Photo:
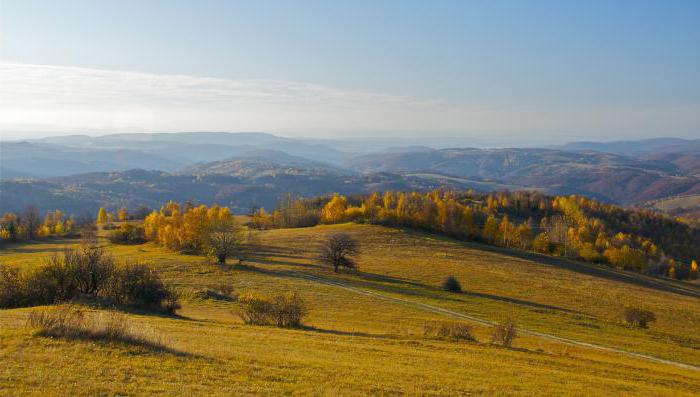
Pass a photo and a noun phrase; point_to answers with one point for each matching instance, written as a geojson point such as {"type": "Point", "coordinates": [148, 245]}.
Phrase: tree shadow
{"type": "Point", "coordinates": [437, 293]}
{"type": "Point", "coordinates": [346, 333]}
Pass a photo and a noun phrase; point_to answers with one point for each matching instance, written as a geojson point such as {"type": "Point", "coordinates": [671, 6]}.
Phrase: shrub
{"type": "Point", "coordinates": [451, 284]}
{"type": "Point", "coordinates": [72, 322]}
{"type": "Point", "coordinates": [256, 310]}
{"type": "Point", "coordinates": [139, 286]}
{"type": "Point", "coordinates": [638, 317]}
{"type": "Point", "coordinates": [449, 330]}
{"type": "Point", "coordinates": [505, 333]}
{"type": "Point", "coordinates": [284, 310]}
{"type": "Point", "coordinates": [65, 321]}
{"type": "Point", "coordinates": [12, 293]}
{"type": "Point", "coordinates": [128, 233]}
{"type": "Point", "coordinates": [91, 268]}
{"type": "Point", "coordinates": [289, 310]}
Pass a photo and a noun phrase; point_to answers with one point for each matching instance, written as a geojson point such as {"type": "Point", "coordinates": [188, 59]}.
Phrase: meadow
{"type": "Point", "coordinates": [364, 331]}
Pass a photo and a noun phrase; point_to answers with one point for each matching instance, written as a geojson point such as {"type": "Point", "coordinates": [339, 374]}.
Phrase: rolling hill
{"type": "Point", "coordinates": [238, 184]}
{"type": "Point", "coordinates": [259, 167]}
{"type": "Point", "coordinates": [365, 331]}
{"type": "Point", "coordinates": [610, 177]}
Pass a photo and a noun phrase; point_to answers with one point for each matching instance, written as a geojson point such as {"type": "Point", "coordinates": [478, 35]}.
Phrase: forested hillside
{"type": "Point", "coordinates": [569, 226]}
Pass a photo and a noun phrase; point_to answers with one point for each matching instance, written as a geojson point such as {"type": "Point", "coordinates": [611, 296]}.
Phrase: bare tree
{"type": "Point", "coordinates": [338, 251]}
{"type": "Point", "coordinates": [31, 220]}
{"type": "Point", "coordinates": [225, 239]}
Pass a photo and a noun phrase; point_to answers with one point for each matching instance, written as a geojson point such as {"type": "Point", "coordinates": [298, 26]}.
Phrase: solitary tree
{"type": "Point", "coordinates": [225, 238]}
{"type": "Point", "coordinates": [339, 250]}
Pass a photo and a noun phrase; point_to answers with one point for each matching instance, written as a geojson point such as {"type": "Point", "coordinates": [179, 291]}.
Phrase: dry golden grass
{"type": "Point", "coordinates": [360, 343]}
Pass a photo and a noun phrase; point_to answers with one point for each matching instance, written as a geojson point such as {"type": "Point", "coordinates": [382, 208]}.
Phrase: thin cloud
{"type": "Point", "coordinates": [62, 98]}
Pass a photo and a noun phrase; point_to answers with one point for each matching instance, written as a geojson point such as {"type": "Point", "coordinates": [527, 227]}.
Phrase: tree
{"type": "Point", "coordinates": [338, 251]}
{"type": "Point", "coordinates": [102, 216]}
{"type": "Point", "coordinates": [490, 229]}
{"type": "Point", "coordinates": [334, 211]}
{"type": "Point", "coordinates": [541, 243]}
{"type": "Point", "coordinates": [225, 238]}
{"type": "Point", "coordinates": [123, 214]}
{"type": "Point", "coordinates": [30, 221]}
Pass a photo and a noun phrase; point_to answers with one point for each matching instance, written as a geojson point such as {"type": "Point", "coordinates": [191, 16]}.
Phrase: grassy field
{"type": "Point", "coordinates": [364, 331]}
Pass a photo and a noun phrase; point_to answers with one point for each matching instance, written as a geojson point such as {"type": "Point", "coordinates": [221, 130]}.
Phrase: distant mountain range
{"type": "Point", "coordinates": [239, 170]}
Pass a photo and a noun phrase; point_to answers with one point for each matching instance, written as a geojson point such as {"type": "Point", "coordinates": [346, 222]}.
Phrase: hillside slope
{"type": "Point", "coordinates": [371, 342]}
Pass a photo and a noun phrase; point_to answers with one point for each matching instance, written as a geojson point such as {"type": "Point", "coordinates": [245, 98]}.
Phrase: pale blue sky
{"type": "Point", "coordinates": [563, 70]}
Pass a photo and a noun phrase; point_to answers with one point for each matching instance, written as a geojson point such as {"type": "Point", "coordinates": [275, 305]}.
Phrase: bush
{"type": "Point", "coordinates": [72, 322]}
{"type": "Point", "coordinates": [449, 330]}
{"type": "Point", "coordinates": [12, 292]}
{"type": "Point", "coordinates": [86, 272]}
{"type": "Point", "coordinates": [637, 317]}
{"type": "Point", "coordinates": [90, 268]}
{"type": "Point", "coordinates": [504, 334]}
{"type": "Point", "coordinates": [256, 310]}
{"type": "Point", "coordinates": [289, 310]}
{"type": "Point", "coordinates": [139, 286]}
{"type": "Point", "coordinates": [451, 284]}
{"type": "Point", "coordinates": [284, 310]}
{"type": "Point", "coordinates": [128, 233]}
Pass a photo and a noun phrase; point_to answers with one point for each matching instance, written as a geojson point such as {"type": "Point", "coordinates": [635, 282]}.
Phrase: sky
{"type": "Point", "coordinates": [512, 71]}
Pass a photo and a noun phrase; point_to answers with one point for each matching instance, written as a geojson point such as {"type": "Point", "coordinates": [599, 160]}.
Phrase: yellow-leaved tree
{"type": "Point", "coordinates": [334, 210]}
{"type": "Point", "coordinates": [102, 216]}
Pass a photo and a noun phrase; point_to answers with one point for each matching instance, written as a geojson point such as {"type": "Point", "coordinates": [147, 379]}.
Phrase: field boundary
{"type": "Point", "coordinates": [451, 313]}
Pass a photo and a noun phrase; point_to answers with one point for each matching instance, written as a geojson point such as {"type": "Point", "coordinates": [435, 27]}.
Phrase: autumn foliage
{"type": "Point", "coordinates": [194, 230]}
{"type": "Point", "coordinates": [570, 226]}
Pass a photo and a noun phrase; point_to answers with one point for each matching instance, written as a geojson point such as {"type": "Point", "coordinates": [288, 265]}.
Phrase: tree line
{"type": "Point", "coordinates": [29, 225]}
{"type": "Point", "coordinates": [568, 226]}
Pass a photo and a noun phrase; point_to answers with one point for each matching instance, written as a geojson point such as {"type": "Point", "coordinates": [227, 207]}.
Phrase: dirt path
{"type": "Point", "coordinates": [451, 313]}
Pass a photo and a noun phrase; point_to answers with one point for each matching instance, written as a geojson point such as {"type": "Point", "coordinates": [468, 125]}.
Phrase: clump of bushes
{"type": "Point", "coordinates": [451, 284]}
{"type": "Point", "coordinates": [128, 233]}
{"type": "Point", "coordinates": [449, 330]}
{"type": "Point", "coordinates": [504, 333]}
{"type": "Point", "coordinates": [87, 272]}
{"type": "Point", "coordinates": [638, 317]}
{"type": "Point", "coordinates": [283, 310]}
{"type": "Point", "coordinates": [72, 322]}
